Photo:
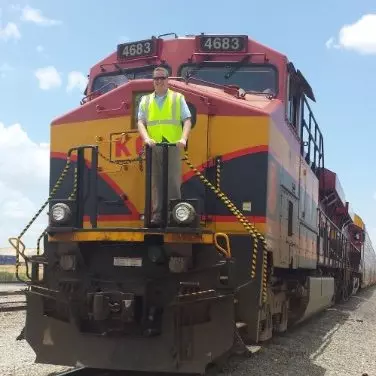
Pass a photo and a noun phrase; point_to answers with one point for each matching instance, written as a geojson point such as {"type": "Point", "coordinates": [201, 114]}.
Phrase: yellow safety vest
{"type": "Point", "coordinates": [164, 122]}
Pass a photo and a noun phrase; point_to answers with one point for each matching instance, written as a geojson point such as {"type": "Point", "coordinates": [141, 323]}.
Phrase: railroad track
{"type": "Point", "coordinates": [17, 292]}
{"type": "Point", "coordinates": [100, 372]}
{"type": "Point", "coordinates": [10, 288]}
{"type": "Point", "coordinates": [12, 302]}
{"type": "Point", "coordinates": [11, 306]}
{"type": "Point", "coordinates": [84, 372]}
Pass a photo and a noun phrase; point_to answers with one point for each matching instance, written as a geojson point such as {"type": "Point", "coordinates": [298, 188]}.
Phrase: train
{"type": "Point", "coordinates": [261, 239]}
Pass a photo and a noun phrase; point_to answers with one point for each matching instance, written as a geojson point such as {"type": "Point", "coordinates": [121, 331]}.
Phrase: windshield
{"type": "Point", "coordinates": [259, 78]}
{"type": "Point", "coordinates": [107, 82]}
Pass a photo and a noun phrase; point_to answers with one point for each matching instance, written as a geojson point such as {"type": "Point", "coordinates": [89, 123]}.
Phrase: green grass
{"type": "Point", "coordinates": [8, 273]}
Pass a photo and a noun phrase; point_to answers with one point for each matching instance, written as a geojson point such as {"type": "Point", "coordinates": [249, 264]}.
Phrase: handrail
{"type": "Point", "coordinates": [315, 140]}
{"type": "Point", "coordinates": [226, 252]}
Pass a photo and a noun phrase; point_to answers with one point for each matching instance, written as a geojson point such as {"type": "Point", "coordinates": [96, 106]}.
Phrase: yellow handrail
{"type": "Point", "coordinates": [16, 243]}
{"type": "Point", "coordinates": [226, 252]}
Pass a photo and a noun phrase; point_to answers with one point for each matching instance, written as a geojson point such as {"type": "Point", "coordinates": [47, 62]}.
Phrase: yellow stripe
{"type": "Point", "coordinates": [129, 236]}
{"type": "Point", "coordinates": [235, 228]}
{"type": "Point", "coordinates": [223, 134]}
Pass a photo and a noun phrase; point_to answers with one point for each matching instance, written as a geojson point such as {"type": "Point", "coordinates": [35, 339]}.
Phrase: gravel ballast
{"type": "Point", "coordinates": [339, 341]}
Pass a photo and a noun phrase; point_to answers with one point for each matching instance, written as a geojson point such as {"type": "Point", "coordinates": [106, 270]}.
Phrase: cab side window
{"type": "Point", "coordinates": [293, 102]}
{"type": "Point", "coordinates": [193, 110]}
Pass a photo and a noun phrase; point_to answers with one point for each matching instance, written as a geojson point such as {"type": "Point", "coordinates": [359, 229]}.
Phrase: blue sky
{"type": "Point", "coordinates": [47, 48]}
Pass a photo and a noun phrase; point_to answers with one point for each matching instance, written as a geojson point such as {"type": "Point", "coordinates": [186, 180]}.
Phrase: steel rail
{"type": "Point", "coordinates": [12, 306]}
{"type": "Point", "coordinates": [83, 371]}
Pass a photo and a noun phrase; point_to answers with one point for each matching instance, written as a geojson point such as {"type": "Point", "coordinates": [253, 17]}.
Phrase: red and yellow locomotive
{"type": "Point", "coordinates": [266, 241]}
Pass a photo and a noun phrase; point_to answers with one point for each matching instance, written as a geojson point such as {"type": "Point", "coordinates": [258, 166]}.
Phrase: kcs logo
{"type": "Point", "coordinates": [125, 145]}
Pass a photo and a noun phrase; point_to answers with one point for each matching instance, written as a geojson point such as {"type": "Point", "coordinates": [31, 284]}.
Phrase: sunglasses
{"type": "Point", "coordinates": [159, 78]}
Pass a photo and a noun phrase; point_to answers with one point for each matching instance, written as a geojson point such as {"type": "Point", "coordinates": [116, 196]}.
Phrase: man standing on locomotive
{"type": "Point", "coordinates": [160, 117]}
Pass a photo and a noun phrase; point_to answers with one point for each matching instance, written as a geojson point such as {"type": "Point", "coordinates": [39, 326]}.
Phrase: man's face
{"type": "Point", "coordinates": [160, 81]}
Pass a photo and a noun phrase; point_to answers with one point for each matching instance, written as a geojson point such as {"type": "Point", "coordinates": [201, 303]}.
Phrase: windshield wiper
{"type": "Point", "coordinates": [268, 93]}
{"type": "Point", "coordinates": [121, 70]}
{"type": "Point", "coordinates": [197, 67]}
{"type": "Point", "coordinates": [236, 66]}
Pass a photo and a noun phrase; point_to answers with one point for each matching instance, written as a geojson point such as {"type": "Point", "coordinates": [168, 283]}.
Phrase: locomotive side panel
{"type": "Point", "coordinates": [283, 177]}
{"type": "Point", "coordinates": [368, 271]}
{"type": "Point", "coordinates": [291, 228]}
{"type": "Point", "coordinates": [308, 217]}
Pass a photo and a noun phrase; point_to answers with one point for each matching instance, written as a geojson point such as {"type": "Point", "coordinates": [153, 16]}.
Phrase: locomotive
{"type": "Point", "coordinates": [261, 239]}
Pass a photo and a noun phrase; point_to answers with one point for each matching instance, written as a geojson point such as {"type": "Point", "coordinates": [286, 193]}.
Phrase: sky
{"type": "Point", "coordinates": [47, 48]}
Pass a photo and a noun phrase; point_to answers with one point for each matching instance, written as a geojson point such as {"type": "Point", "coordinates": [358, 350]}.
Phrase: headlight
{"type": "Point", "coordinates": [60, 213]}
{"type": "Point", "coordinates": [183, 213]}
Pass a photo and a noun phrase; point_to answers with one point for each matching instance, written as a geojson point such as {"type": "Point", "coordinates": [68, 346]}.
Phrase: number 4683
{"type": "Point", "coordinates": [137, 49]}
{"type": "Point", "coordinates": [223, 44]}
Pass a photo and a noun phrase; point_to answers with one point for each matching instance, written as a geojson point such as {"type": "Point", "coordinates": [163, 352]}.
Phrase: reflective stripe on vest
{"type": "Point", "coordinates": [164, 122]}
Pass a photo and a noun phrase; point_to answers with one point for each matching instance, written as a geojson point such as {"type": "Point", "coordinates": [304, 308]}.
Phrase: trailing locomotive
{"type": "Point", "coordinates": [262, 238]}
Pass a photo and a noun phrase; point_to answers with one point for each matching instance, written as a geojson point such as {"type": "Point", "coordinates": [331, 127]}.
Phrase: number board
{"type": "Point", "coordinates": [223, 43]}
{"type": "Point", "coordinates": [136, 49]}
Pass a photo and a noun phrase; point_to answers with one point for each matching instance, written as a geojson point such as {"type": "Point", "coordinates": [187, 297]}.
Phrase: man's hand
{"type": "Point", "coordinates": [181, 143]}
{"type": "Point", "coordinates": [150, 142]}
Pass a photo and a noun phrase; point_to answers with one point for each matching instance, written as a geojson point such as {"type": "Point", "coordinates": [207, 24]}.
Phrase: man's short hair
{"type": "Point", "coordinates": [161, 69]}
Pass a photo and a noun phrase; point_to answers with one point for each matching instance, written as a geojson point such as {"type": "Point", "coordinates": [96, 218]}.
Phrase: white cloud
{"type": "Point", "coordinates": [76, 80]}
{"type": "Point", "coordinates": [35, 15]}
{"type": "Point", "coordinates": [15, 204]}
{"type": "Point", "coordinates": [359, 36]}
{"type": "Point", "coordinates": [48, 77]}
{"type": "Point", "coordinates": [10, 31]}
{"type": "Point", "coordinates": [4, 69]}
{"type": "Point", "coordinates": [330, 43]}
{"type": "Point", "coordinates": [23, 184]}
